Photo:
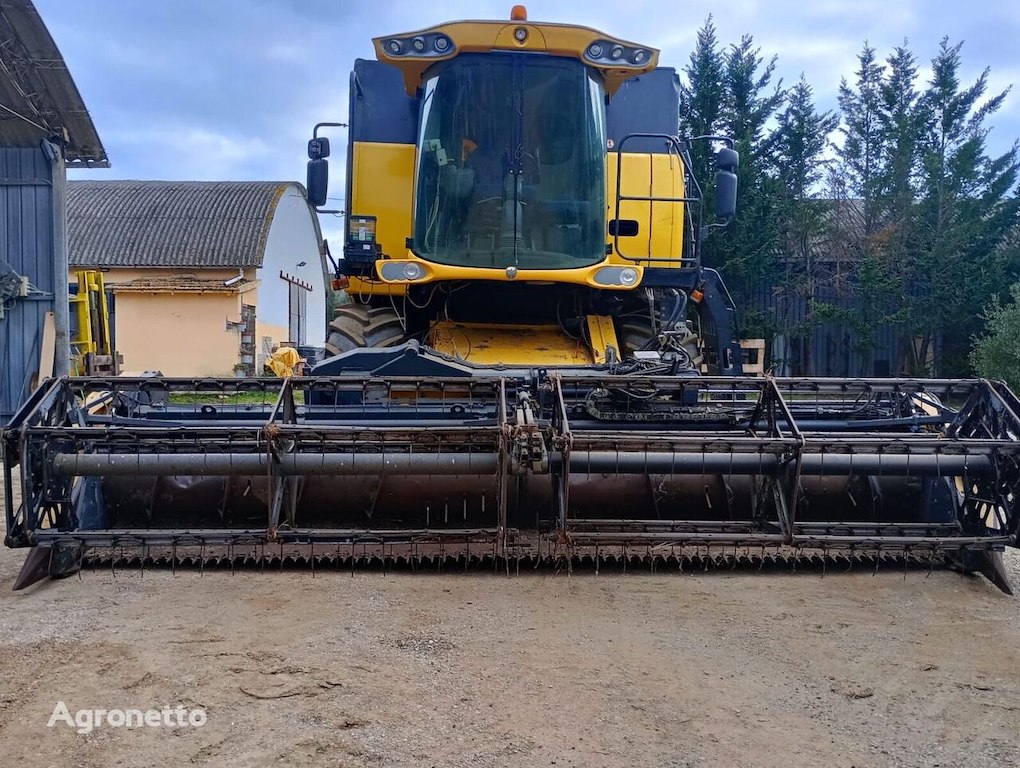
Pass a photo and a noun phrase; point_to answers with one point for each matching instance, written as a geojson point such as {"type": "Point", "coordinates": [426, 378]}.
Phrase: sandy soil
{"type": "Point", "coordinates": [717, 669]}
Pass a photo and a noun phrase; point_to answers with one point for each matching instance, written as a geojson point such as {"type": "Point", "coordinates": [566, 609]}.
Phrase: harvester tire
{"type": "Point", "coordinates": [635, 337]}
{"type": "Point", "coordinates": [356, 326]}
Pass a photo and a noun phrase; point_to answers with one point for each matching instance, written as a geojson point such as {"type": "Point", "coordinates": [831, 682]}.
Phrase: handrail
{"type": "Point", "coordinates": [674, 147]}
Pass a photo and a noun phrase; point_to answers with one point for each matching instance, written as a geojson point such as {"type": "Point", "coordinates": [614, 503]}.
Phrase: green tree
{"type": "Point", "coordinates": [891, 248]}
{"type": "Point", "coordinates": [747, 251]}
{"type": "Point", "coordinates": [802, 140]}
{"type": "Point", "coordinates": [916, 226]}
{"type": "Point", "coordinates": [882, 119]}
{"type": "Point", "coordinates": [701, 99]}
{"type": "Point", "coordinates": [996, 354]}
{"type": "Point", "coordinates": [900, 123]}
{"type": "Point", "coordinates": [965, 213]}
{"type": "Point", "coordinates": [861, 287]}
{"type": "Point", "coordinates": [860, 108]}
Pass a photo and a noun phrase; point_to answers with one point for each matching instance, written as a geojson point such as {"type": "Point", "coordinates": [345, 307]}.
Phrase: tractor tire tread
{"type": "Point", "coordinates": [356, 326]}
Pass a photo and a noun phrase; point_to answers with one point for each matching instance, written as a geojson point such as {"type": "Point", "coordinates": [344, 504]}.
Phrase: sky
{"type": "Point", "coordinates": [230, 89]}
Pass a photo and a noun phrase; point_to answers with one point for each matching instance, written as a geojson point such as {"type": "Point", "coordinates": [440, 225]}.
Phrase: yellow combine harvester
{"type": "Point", "coordinates": [502, 215]}
{"type": "Point", "coordinates": [534, 365]}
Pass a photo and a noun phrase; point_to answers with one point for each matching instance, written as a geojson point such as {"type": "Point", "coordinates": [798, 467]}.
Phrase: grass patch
{"type": "Point", "coordinates": [268, 398]}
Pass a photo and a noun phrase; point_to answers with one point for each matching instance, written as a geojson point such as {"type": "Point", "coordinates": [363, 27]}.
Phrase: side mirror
{"type": "Point", "coordinates": [317, 182]}
{"type": "Point", "coordinates": [727, 161]}
{"type": "Point", "coordinates": [318, 148]}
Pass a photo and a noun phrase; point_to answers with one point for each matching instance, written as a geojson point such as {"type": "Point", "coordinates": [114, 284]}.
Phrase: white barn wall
{"type": "Point", "coordinates": [294, 237]}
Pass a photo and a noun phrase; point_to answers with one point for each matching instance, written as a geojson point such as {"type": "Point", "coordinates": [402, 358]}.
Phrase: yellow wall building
{"type": "Point", "coordinates": [207, 277]}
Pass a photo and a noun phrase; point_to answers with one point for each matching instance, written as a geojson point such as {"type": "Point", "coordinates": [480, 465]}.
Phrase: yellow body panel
{"type": "Point", "coordinates": [361, 288]}
{"type": "Point", "coordinates": [602, 337]}
{"type": "Point", "coordinates": [382, 185]}
{"type": "Point", "coordinates": [580, 276]}
{"type": "Point", "coordinates": [496, 344]}
{"type": "Point", "coordinates": [660, 225]}
{"type": "Point", "coordinates": [488, 36]}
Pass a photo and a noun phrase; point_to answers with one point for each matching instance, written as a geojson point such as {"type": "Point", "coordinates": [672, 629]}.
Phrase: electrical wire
{"type": "Point", "coordinates": [434, 213]}
{"type": "Point", "coordinates": [559, 320]}
{"type": "Point", "coordinates": [452, 327]}
{"type": "Point", "coordinates": [400, 317]}
{"type": "Point", "coordinates": [428, 301]}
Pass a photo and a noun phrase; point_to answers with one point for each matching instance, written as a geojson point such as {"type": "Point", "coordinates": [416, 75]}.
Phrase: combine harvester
{"type": "Point", "coordinates": [534, 366]}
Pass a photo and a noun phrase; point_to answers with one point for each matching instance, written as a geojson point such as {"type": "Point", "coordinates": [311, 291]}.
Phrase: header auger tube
{"type": "Point", "coordinates": [575, 466]}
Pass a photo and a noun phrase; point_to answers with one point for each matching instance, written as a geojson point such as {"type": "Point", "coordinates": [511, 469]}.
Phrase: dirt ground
{"type": "Point", "coordinates": [399, 669]}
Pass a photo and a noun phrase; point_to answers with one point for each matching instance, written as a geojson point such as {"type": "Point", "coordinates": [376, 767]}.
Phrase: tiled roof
{"type": "Point", "coordinates": [181, 284]}
{"type": "Point", "coordinates": [170, 223]}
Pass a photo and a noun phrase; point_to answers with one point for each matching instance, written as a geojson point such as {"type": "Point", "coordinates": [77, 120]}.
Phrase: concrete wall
{"type": "Point", "coordinates": [179, 334]}
{"type": "Point", "coordinates": [26, 243]}
{"type": "Point", "coordinates": [267, 336]}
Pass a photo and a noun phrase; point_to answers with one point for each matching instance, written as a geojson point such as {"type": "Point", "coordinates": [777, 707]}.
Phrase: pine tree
{"type": "Point", "coordinates": [701, 100]}
{"type": "Point", "coordinates": [748, 249]}
{"type": "Point", "coordinates": [900, 120]}
{"type": "Point", "coordinates": [918, 227]}
{"type": "Point", "coordinates": [802, 139]}
{"type": "Point", "coordinates": [877, 158]}
{"type": "Point", "coordinates": [860, 108]}
{"type": "Point", "coordinates": [965, 213]}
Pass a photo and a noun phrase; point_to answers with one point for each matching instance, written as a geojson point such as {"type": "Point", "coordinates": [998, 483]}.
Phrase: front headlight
{"type": "Point", "coordinates": [612, 52]}
{"type": "Point", "coordinates": [624, 277]}
{"type": "Point", "coordinates": [429, 45]}
{"type": "Point", "coordinates": [400, 271]}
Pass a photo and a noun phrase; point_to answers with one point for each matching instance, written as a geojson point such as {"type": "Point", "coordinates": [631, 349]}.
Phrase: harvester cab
{"type": "Point", "coordinates": [517, 194]}
{"type": "Point", "coordinates": [532, 365]}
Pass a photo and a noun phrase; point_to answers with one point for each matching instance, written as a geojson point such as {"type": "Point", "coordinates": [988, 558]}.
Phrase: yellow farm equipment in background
{"type": "Point", "coordinates": [91, 342]}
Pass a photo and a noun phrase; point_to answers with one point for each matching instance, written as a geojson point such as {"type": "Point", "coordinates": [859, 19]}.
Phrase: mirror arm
{"type": "Point", "coordinates": [315, 130]}
{"type": "Point", "coordinates": [712, 137]}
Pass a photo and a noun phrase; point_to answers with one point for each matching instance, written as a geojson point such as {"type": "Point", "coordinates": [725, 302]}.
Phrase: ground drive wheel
{"type": "Point", "coordinates": [635, 336]}
{"type": "Point", "coordinates": [358, 325]}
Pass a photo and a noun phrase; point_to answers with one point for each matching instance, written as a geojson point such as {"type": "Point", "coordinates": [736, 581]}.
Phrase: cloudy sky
{"type": "Point", "coordinates": [229, 89]}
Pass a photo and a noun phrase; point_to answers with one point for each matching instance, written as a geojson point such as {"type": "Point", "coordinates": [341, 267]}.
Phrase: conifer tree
{"type": "Point", "coordinates": [802, 139]}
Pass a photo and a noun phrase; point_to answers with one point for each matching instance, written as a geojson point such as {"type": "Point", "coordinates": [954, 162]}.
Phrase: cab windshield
{"type": "Point", "coordinates": [511, 164]}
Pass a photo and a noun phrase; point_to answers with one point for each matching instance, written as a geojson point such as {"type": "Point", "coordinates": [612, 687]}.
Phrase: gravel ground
{"type": "Point", "coordinates": [638, 669]}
